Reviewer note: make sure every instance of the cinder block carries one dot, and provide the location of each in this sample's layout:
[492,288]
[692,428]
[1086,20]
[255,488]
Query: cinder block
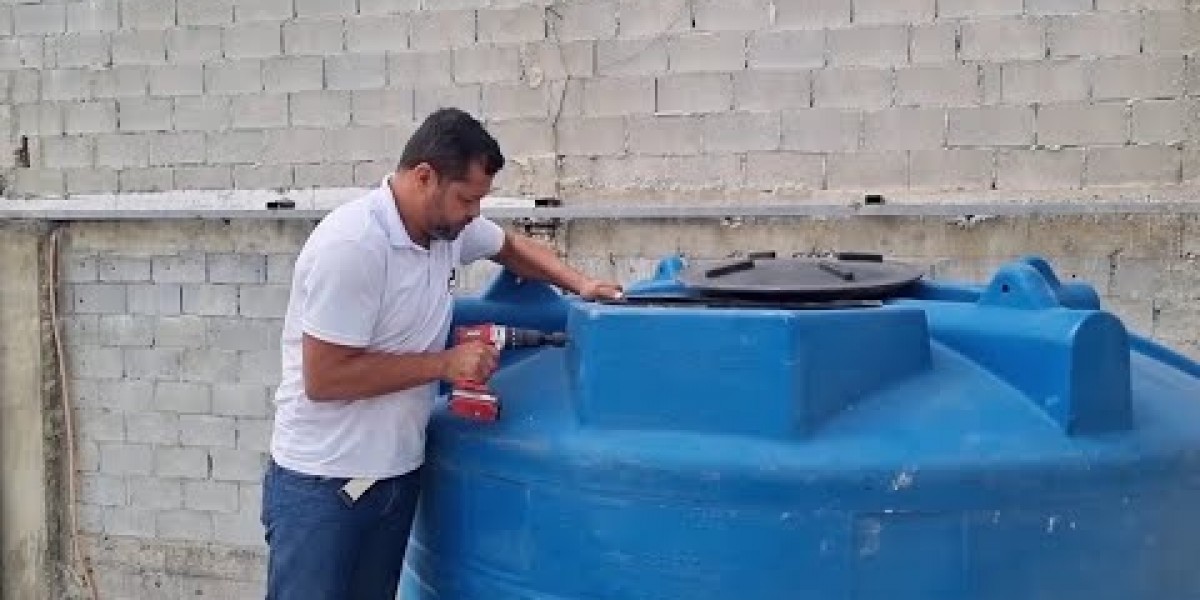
[211,13]
[294,146]
[1133,164]
[123,269]
[91,181]
[122,150]
[441,30]
[241,334]
[127,395]
[320,109]
[952,85]
[210,300]
[523,137]
[853,88]
[486,64]
[665,135]
[821,130]
[1039,169]
[177,80]
[631,57]
[234,77]
[89,458]
[101,425]
[812,14]
[97,15]
[153,428]
[184,397]
[241,400]
[1095,35]
[148,14]
[376,34]
[514,25]
[260,111]
[904,129]
[324,175]
[157,299]
[1044,82]
[91,50]
[102,490]
[237,465]
[778,171]
[235,147]
[159,364]
[872,46]
[424,69]
[952,169]
[1193,78]
[121,82]
[252,40]
[254,435]
[1003,39]
[786,50]
[173,149]
[934,43]
[702,52]
[604,97]
[387,7]
[1083,124]
[204,178]
[358,72]
[97,362]
[39,19]
[1163,121]
[772,90]
[183,331]
[24,53]
[144,114]
[183,268]
[866,171]
[209,365]
[157,179]
[127,330]
[139,47]
[325,8]
[518,100]
[1058,7]
[650,18]
[990,126]
[735,15]
[87,117]
[354,144]
[134,522]
[64,152]
[48,183]
[213,496]
[694,93]
[153,493]
[263,177]
[237,268]
[741,132]
[193,45]
[238,529]
[190,463]
[208,431]
[973,9]
[280,268]
[98,298]
[262,367]
[66,84]
[893,11]
[125,459]
[79,268]
[25,86]
[584,20]
[1138,77]
[263,10]
[1136,5]
[189,525]
[1171,32]
[44,119]
[591,137]
[294,74]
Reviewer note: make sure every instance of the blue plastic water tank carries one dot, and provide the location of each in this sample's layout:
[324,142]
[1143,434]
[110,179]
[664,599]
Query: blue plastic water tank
[1008,441]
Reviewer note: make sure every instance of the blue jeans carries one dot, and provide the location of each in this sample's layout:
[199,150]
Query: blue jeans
[322,547]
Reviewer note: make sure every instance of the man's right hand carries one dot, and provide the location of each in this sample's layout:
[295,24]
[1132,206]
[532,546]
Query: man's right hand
[472,360]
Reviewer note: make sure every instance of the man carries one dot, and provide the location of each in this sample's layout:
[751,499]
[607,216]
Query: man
[364,344]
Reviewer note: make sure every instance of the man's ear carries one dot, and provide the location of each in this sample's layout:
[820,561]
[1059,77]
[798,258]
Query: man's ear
[425,174]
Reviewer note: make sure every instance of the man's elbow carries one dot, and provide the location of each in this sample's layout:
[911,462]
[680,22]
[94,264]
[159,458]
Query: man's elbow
[319,389]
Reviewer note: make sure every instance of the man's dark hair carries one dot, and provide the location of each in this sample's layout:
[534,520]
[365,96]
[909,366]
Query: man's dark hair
[450,140]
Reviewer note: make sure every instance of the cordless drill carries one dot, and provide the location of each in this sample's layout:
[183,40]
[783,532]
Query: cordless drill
[472,399]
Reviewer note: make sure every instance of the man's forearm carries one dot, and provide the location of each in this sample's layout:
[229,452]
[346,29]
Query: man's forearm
[368,374]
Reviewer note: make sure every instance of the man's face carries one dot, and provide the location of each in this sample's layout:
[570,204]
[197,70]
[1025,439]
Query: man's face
[452,205]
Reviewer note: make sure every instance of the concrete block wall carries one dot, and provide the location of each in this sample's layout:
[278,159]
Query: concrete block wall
[172,349]
[604,98]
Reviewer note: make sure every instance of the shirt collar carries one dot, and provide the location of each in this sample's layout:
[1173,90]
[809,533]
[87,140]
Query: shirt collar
[392,223]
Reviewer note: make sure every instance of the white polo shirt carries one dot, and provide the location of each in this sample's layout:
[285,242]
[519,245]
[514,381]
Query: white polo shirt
[361,281]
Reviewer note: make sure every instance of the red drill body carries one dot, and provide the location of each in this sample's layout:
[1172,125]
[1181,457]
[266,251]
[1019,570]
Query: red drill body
[472,399]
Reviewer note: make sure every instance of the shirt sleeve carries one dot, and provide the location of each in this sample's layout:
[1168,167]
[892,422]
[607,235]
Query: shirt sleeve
[343,294]
[482,238]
